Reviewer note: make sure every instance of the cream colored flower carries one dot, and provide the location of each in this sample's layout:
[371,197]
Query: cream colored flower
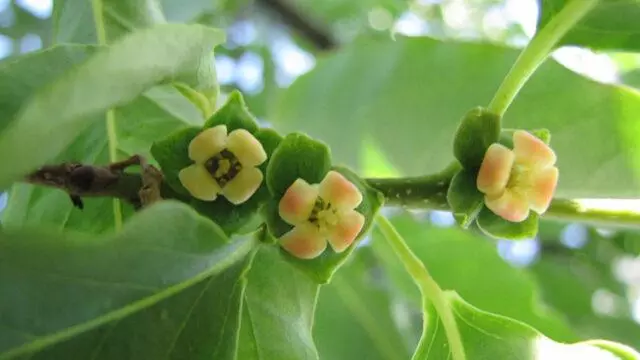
[224,164]
[517,180]
[320,213]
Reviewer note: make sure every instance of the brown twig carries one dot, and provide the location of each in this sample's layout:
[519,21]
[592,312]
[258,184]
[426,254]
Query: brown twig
[320,37]
[80,180]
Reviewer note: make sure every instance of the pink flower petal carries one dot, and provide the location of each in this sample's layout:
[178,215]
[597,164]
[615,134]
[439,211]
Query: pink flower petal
[340,192]
[304,242]
[510,206]
[346,230]
[197,180]
[495,169]
[297,202]
[531,150]
[243,185]
[208,143]
[246,148]
[544,185]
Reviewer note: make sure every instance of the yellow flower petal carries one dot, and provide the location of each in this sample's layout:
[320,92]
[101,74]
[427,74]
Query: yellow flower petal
[208,143]
[304,242]
[495,169]
[510,206]
[346,230]
[246,148]
[243,185]
[297,202]
[531,150]
[340,192]
[197,180]
[541,193]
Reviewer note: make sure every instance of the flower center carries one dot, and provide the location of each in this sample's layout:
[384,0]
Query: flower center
[323,215]
[520,178]
[224,167]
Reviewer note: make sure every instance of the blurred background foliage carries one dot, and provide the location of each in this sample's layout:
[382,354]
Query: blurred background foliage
[571,282]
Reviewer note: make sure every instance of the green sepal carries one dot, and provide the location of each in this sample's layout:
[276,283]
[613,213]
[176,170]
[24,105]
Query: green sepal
[171,154]
[499,228]
[464,198]
[478,129]
[297,156]
[506,136]
[322,268]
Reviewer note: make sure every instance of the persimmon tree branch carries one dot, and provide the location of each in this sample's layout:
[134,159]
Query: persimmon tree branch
[301,23]
[85,180]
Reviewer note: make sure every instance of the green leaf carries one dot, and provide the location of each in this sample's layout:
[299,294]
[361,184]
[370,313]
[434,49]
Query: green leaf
[465,199]
[74,21]
[279,305]
[322,268]
[112,77]
[490,336]
[611,25]
[478,129]
[499,228]
[172,155]
[75,283]
[470,265]
[156,113]
[359,307]
[412,124]
[298,156]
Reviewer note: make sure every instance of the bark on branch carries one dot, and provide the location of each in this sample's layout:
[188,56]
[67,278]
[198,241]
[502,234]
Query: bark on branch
[82,180]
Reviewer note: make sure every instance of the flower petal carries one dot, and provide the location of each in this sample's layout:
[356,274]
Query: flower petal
[346,230]
[297,202]
[197,180]
[208,143]
[339,192]
[510,206]
[304,242]
[495,169]
[531,150]
[544,185]
[246,148]
[243,185]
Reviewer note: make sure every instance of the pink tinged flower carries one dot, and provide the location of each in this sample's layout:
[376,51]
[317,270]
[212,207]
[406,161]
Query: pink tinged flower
[224,164]
[320,213]
[515,181]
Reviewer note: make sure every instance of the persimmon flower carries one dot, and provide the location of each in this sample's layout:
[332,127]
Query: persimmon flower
[320,213]
[224,164]
[515,181]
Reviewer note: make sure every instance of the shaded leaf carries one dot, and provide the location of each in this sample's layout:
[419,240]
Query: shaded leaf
[412,124]
[279,305]
[163,251]
[611,25]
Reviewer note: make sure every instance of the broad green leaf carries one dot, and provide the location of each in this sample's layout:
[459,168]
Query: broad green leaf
[407,96]
[470,265]
[612,24]
[489,336]
[152,115]
[201,322]
[112,77]
[279,305]
[74,20]
[56,287]
[358,306]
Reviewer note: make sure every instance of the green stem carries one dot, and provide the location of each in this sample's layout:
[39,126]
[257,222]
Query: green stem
[536,52]
[428,288]
[110,120]
[430,193]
